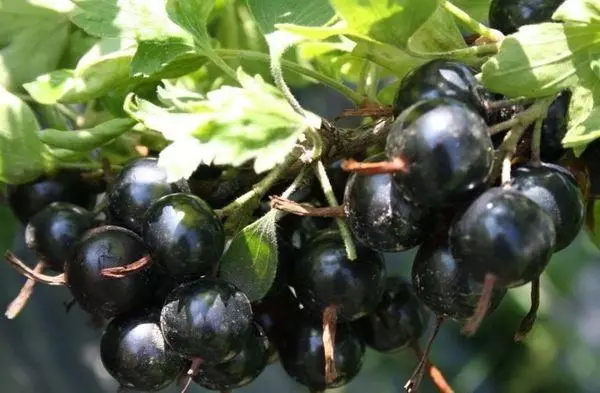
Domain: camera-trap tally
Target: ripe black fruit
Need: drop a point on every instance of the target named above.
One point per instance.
(554, 128)
(303, 359)
(506, 234)
(398, 320)
(445, 285)
(242, 369)
(324, 277)
(184, 234)
(207, 319)
(107, 247)
(440, 79)
(134, 352)
(27, 199)
(556, 191)
(138, 185)
(378, 214)
(508, 15)
(446, 149)
(273, 313)
(52, 232)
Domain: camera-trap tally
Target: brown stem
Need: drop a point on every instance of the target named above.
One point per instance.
(305, 209)
(191, 373)
(482, 307)
(124, 271)
(374, 168)
(434, 373)
(413, 383)
(528, 320)
(31, 273)
(385, 111)
(329, 330)
(18, 304)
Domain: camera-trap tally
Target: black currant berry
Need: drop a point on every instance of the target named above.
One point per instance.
(302, 354)
(554, 128)
(185, 236)
(52, 232)
(440, 79)
(398, 320)
(325, 277)
(446, 150)
(443, 284)
(556, 191)
(134, 352)
(242, 369)
(508, 15)
(505, 234)
(108, 247)
(137, 186)
(27, 199)
(379, 216)
(207, 319)
(273, 313)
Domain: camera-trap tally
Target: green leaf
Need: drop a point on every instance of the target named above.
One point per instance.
(250, 262)
(439, 34)
(584, 116)
(32, 39)
(101, 70)
(86, 139)
(192, 15)
(541, 60)
(137, 19)
(389, 21)
(23, 157)
(477, 9)
(578, 11)
(231, 126)
(268, 13)
(154, 55)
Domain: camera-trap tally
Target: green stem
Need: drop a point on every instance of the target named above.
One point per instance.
(214, 56)
(85, 166)
(260, 188)
(298, 69)
(471, 23)
(371, 83)
(536, 142)
(362, 77)
(68, 112)
(332, 201)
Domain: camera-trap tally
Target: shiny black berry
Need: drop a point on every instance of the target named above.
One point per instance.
(134, 352)
(508, 15)
(108, 247)
(446, 149)
(440, 79)
(27, 199)
(207, 319)
(242, 369)
(378, 214)
(325, 277)
(273, 312)
(556, 191)
(397, 321)
(506, 234)
(445, 285)
(52, 232)
(554, 128)
(184, 234)
(303, 359)
(138, 185)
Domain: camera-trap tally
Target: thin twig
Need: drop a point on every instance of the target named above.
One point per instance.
(17, 305)
(305, 209)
